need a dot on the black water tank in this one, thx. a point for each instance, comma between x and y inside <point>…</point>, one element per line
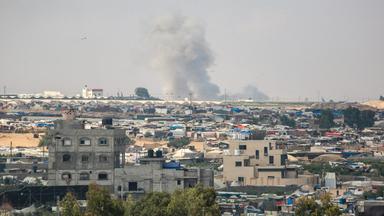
<point>150,153</point>
<point>107,121</point>
<point>159,154</point>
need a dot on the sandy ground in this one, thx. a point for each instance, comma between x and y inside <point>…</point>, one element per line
<point>149,143</point>
<point>375,103</point>
<point>18,140</point>
<point>199,146</point>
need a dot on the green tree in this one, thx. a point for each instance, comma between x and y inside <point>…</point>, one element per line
<point>202,201</point>
<point>194,201</point>
<point>367,119</point>
<point>285,120</point>
<point>355,118</point>
<point>142,93</point>
<point>153,204</point>
<point>178,204</point>
<point>327,207</point>
<point>326,119</point>
<point>69,206</point>
<point>351,117</point>
<point>100,202</point>
<point>308,206</point>
<point>129,206</point>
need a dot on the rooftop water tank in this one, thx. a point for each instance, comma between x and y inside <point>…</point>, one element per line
<point>150,153</point>
<point>159,154</point>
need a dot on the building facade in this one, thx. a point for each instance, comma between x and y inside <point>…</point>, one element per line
<point>260,162</point>
<point>79,156</point>
<point>154,174</point>
<point>91,93</point>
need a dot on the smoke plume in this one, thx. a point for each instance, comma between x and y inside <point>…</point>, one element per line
<point>253,93</point>
<point>182,56</point>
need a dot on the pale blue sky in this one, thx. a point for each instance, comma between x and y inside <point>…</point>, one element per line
<point>289,49</point>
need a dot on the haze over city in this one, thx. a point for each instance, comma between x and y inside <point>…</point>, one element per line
<point>192,108</point>
<point>288,50</point>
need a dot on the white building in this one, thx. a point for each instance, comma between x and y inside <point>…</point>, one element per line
<point>91,93</point>
<point>45,94</point>
<point>97,93</point>
<point>52,94</point>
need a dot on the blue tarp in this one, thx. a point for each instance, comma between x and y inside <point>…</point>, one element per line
<point>172,165</point>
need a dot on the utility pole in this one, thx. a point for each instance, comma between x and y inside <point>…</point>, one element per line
<point>5,90</point>
<point>225,95</point>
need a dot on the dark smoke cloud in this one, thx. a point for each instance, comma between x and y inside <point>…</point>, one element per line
<point>182,56</point>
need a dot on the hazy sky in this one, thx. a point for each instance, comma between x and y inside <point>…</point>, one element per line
<point>288,49</point>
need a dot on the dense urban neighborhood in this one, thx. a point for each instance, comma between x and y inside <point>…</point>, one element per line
<point>222,158</point>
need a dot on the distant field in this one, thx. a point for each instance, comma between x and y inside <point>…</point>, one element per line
<point>18,140</point>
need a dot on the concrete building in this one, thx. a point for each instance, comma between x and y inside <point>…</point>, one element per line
<point>154,174</point>
<point>91,93</point>
<point>97,93</point>
<point>260,162</point>
<point>79,156</point>
<point>52,94</point>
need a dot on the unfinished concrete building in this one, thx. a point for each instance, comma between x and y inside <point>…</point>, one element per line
<point>79,156</point>
<point>154,174</point>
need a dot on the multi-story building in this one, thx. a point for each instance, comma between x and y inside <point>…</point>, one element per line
<point>91,93</point>
<point>260,162</point>
<point>154,174</point>
<point>79,156</point>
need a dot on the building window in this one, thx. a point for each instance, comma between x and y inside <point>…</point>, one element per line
<point>283,159</point>
<point>132,186</point>
<point>84,176</point>
<point>265,151</point>
<point>84,158</point>
<point>103,141</point>
<point>242,147</point>
<point>103,158</point>
<point>247,162</point>
<point>85,141</point>
<point>240,179</point>
<point>67,142</point>
<point>66,158</point>
<point>271,160</point>
<point>66,176</point>
<point>178,182</point>
<point>238,163</point>
<point>257,154</point>
<point>103,176</point>
<point>119,188</point>
<point>271,177</point>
